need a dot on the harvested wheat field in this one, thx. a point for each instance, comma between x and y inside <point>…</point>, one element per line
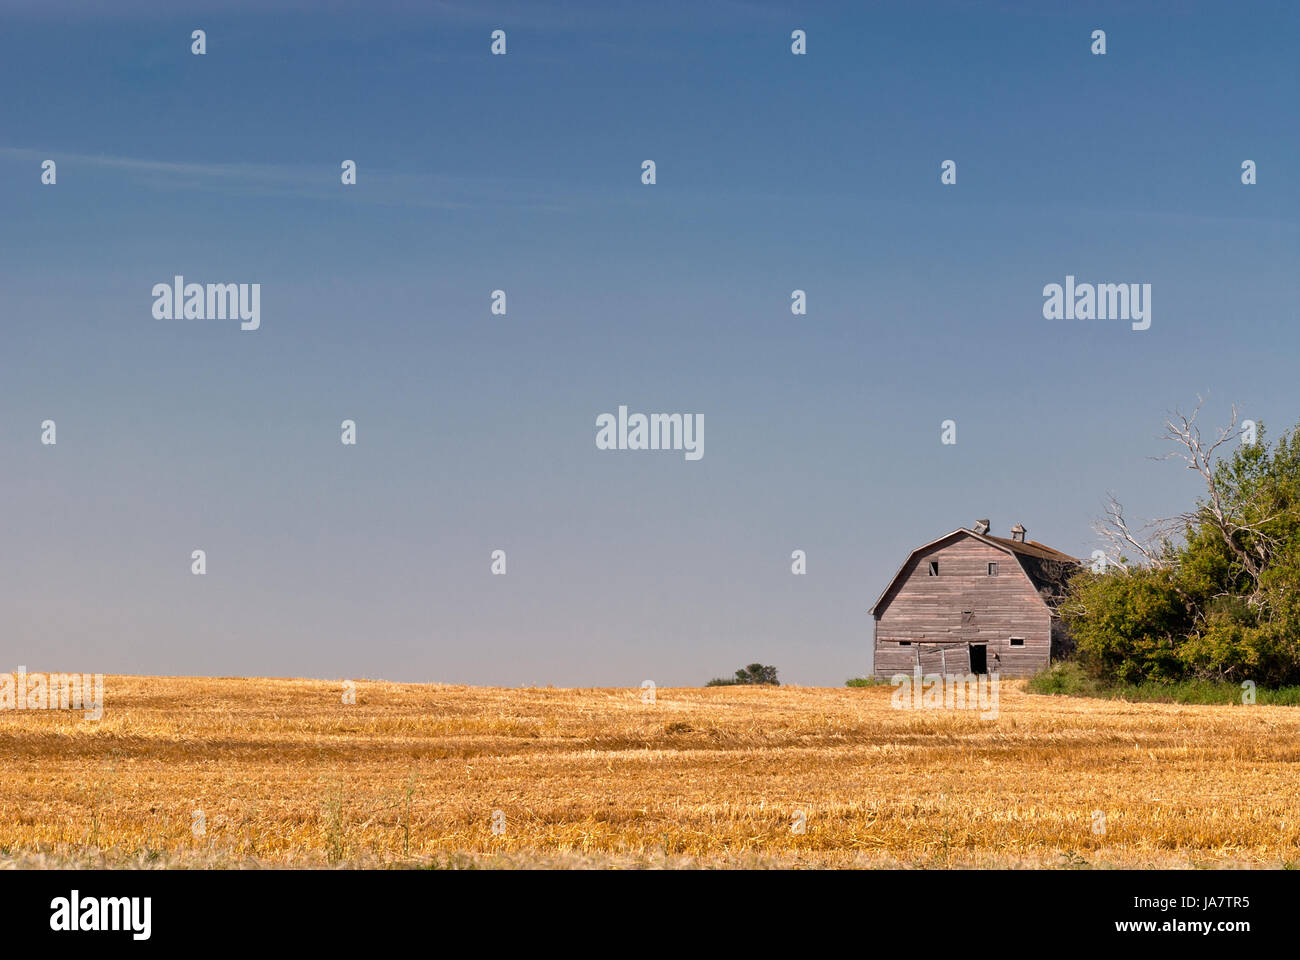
<point>231,772</point>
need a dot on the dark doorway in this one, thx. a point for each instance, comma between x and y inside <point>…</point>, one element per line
<point>979,662</point>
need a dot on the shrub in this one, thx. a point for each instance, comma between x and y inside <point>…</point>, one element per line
<point>1063,678</point>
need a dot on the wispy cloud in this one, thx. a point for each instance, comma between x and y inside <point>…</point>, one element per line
<point>385,187</point>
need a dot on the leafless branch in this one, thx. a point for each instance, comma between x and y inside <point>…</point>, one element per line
<point>1122,544</point>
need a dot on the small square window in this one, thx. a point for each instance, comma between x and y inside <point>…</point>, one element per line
<point>934,568</point>
<point>1017,641</point>
<point>993,569</point>
<point>904,643</point>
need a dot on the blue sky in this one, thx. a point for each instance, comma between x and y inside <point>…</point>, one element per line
<point>522,172</point>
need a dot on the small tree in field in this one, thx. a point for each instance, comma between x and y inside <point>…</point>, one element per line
<point>755,673</point>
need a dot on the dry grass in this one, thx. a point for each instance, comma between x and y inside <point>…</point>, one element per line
<point>286,774</point>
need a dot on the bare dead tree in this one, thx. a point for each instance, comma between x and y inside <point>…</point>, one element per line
<point>1240,518</point>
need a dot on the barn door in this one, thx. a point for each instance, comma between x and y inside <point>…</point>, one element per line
<point>930,658</point>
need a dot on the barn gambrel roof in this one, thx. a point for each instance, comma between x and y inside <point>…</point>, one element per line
<point>1017,548</point>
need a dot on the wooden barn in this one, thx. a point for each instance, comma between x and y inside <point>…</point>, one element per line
<point>971,602</point>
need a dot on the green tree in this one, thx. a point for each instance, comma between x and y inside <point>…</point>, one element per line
<point>755,673</point>
<point>1212,592</point>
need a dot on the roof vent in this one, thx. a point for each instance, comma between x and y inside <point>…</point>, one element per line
<point>981,526</point>
<point>1018,533</point>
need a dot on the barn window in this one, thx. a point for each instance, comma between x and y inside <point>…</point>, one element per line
<point>993,569</point>
<point>904,643</point>
<point>1017,641</point>
<point>934,568</point>
<point>968,618</point>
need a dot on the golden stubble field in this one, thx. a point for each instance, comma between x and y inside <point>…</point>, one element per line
<point>241,772</point>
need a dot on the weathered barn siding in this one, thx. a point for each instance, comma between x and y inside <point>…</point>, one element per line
<point>925,609</point>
